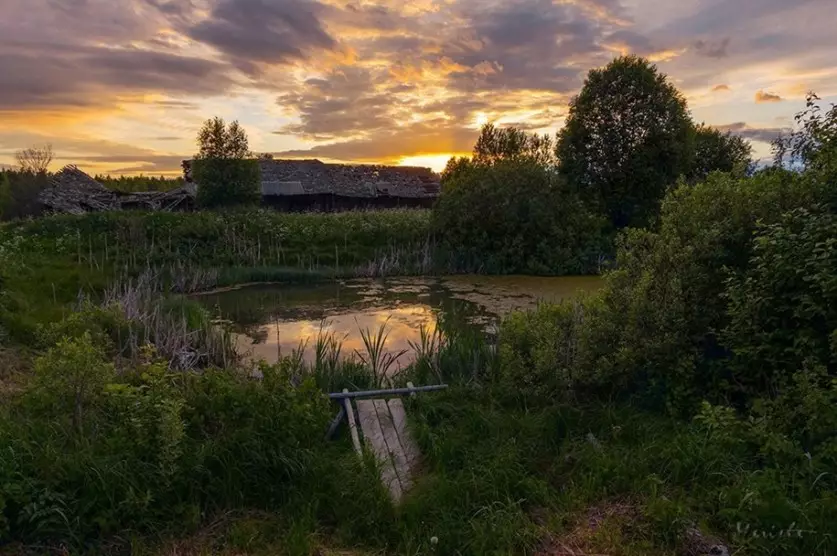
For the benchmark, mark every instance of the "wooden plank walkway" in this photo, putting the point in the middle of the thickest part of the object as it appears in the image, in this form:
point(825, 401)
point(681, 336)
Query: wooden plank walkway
point(384, 427)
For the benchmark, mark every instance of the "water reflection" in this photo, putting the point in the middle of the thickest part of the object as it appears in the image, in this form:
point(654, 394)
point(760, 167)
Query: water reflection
point(273, 320)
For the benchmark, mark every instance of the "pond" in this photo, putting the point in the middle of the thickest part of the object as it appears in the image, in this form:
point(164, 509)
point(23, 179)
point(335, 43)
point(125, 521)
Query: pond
point(272, 320)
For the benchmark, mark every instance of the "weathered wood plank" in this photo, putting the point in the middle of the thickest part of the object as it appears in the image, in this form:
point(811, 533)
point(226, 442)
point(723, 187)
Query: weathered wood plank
point(350, 417)
point(399, 459)
point(374, 436)
point(408, 444)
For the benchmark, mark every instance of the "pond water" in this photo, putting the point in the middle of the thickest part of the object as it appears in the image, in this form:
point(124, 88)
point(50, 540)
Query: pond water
point(272, 320)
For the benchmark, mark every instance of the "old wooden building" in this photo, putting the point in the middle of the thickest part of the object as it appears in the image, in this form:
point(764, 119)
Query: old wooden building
point(305, 185)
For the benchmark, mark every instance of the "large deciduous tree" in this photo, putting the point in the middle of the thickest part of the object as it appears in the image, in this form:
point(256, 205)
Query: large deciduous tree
point(628, 136)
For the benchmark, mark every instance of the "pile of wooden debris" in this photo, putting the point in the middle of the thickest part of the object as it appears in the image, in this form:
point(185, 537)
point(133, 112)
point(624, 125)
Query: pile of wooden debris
point(74, 192)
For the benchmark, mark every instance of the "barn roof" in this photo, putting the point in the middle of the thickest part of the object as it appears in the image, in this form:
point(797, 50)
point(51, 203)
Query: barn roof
point(313, 177)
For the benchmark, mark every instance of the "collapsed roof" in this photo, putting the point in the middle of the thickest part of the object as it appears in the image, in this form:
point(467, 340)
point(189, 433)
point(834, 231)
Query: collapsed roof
point(313, 177)
point(74, 192)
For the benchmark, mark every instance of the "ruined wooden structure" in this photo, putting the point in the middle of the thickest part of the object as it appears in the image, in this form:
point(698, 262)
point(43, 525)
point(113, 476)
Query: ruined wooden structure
point(74, 192)
point(304, 185)
point(383, 423)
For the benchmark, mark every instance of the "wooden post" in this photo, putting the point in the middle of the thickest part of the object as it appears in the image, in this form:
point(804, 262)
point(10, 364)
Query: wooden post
point(350, 416)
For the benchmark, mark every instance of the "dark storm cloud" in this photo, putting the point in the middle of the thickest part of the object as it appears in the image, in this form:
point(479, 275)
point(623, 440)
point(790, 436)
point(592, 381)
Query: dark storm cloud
point(250, 32)
point(763, 134)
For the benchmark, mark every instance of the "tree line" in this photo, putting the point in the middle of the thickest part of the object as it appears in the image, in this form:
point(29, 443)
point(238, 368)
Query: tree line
point(526, 202)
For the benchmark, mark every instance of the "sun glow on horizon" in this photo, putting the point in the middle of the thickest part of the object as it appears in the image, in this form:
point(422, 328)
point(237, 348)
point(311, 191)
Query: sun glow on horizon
point(435, 162)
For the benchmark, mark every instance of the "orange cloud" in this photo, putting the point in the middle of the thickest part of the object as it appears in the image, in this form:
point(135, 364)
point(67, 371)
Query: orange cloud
point(721, 88)
point(762, 97)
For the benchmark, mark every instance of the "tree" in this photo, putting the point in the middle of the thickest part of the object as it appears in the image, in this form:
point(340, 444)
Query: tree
point(220, 169)
point(35, 159)
point(510, 143)
point(496, 145)
point(628, 136)
point(515, 216)
point(5, 195)
point(813, 144)
point(718, 151)
point(218, 140)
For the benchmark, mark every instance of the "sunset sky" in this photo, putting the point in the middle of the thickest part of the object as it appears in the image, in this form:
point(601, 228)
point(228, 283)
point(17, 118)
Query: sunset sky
point(122, 86)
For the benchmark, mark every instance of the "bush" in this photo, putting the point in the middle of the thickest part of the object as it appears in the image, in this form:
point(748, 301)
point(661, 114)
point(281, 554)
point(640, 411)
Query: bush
point(515, 216)
point(665, 303)
point(89, 452)
point(224, 182)
point(783, 307)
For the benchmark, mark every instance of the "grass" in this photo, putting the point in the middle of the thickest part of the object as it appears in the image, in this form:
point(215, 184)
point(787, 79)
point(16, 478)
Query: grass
point(498, 477)
point(213, 462)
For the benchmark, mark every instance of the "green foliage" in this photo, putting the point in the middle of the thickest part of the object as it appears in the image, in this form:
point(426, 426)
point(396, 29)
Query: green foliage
point(541, 352)
point(716, 151)
point(218, 140)
point(69, 379)
point(89, 453)
point(783, 307)
point(21, 197)
point(224, 182)
point(813, 144)
point(516, 216)
point(665, 303)
point(132, 184)
point(505, 144)
point(6, 198)
point(628, 137)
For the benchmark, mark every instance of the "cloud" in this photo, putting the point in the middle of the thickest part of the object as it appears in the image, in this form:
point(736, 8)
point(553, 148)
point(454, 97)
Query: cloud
point(763, 134)
point(721, 88)
point(763, 96)
point(424, 138)
point(255, 32)
point(712, 49)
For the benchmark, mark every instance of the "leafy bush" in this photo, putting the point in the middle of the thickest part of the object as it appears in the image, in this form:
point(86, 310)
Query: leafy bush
point(89, 452)
point(541, 352)
point(224, 182)
point(783, 307)
point(516, 216)
point(665, 303)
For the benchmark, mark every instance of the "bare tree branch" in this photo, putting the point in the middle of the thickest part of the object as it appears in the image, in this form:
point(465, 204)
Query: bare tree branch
point(35, 159)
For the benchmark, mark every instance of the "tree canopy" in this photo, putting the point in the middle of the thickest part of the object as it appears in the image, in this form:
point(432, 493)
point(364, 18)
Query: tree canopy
point(628, 136)
point(216, 139)
point(719, 151)
point(224, 175)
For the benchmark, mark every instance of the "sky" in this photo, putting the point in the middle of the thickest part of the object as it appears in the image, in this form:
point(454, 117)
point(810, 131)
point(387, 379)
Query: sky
point(122, 86)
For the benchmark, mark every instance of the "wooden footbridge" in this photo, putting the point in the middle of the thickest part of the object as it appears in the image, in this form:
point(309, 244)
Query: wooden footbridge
point(383, 423)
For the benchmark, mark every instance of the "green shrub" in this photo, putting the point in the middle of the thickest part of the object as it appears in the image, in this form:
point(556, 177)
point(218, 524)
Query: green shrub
point(89, 452)
point(783, 307)
point(542, 352)
point(665, 306)
point(224, 182)
point(516, 216)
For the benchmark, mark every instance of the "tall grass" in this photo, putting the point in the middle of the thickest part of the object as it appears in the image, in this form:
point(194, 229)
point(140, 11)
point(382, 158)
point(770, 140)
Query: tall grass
point(180, 330)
